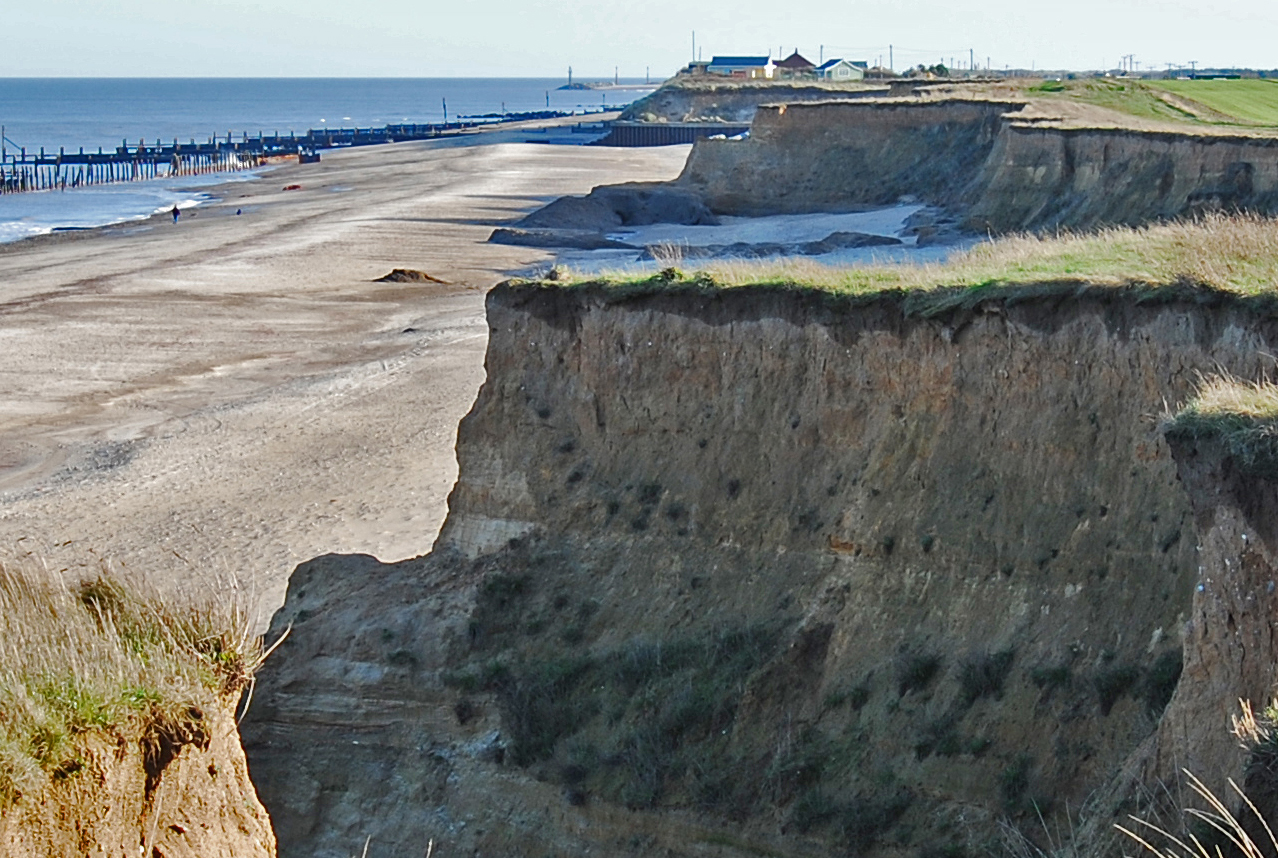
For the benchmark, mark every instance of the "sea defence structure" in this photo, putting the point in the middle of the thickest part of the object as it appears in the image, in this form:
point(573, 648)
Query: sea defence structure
point(1002, 168)
point(771, 571)
point(22, 171)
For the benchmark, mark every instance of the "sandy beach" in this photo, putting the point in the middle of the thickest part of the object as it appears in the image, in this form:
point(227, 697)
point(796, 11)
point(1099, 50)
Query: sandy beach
point(226, 397)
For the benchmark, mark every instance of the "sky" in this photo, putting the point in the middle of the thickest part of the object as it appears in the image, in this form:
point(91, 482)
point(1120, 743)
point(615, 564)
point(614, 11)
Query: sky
point(542, 38)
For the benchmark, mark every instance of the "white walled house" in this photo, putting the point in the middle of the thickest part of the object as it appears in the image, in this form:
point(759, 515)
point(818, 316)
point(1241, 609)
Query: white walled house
point(841, 70)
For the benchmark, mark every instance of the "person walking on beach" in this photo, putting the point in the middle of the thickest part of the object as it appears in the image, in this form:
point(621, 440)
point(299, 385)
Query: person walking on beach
point(176, 214)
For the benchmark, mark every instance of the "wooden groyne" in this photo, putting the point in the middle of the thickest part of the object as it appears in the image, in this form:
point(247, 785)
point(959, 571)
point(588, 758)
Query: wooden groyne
point(22, 170)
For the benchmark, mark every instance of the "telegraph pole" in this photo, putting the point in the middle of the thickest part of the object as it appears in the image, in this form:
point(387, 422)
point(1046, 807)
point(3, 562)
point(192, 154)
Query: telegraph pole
point(694, 46)
point(971, 60)
point(891, 65)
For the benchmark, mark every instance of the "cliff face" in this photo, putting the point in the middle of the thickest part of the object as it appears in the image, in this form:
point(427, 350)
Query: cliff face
point(1047, 177)
point(1005, 172)
point(766, 571)
point(802, 158)
point(1230, 648)
point(181, 792)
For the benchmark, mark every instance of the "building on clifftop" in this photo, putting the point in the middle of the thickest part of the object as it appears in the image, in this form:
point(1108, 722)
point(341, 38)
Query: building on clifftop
point(841, 70)
point(795, 65)
point(752, 68)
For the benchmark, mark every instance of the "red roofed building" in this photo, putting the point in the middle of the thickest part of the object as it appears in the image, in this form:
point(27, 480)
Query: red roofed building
point(795, 65)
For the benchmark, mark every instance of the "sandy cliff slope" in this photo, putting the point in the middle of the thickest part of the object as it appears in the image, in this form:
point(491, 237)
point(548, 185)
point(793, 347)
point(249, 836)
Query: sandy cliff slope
point(758, 570)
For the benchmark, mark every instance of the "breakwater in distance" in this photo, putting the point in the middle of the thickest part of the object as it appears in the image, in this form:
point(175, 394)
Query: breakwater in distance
point(22, 171)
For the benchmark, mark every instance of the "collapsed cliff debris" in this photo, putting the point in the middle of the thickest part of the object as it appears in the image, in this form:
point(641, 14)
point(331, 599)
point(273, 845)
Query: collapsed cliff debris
point(760, 250)
point(410, 275)
point(612, 206)
point(783, 571)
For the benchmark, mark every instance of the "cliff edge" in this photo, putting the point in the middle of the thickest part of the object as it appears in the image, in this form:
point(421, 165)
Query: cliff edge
point(1003, 166)
point(769, 570)
point(180, 791)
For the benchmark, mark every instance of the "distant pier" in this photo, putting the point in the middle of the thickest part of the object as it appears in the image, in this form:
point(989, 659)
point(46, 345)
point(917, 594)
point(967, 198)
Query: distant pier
point(22, 170)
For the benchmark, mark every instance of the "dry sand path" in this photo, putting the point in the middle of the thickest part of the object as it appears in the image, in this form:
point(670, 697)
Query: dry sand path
point(230, 396)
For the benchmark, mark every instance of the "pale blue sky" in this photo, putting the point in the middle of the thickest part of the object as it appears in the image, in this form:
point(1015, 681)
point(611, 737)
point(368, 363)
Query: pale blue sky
point(541, 38)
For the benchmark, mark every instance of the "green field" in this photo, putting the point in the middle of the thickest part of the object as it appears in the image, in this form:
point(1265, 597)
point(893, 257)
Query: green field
point(1252, 101)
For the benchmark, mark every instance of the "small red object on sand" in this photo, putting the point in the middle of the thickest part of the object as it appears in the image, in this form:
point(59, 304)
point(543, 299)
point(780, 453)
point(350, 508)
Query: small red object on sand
point(292, 187)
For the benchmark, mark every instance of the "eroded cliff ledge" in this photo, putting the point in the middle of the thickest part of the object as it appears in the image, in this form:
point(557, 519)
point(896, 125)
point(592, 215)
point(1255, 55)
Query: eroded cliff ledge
point(180, 790)
point(759, 570)
point(1003, 168)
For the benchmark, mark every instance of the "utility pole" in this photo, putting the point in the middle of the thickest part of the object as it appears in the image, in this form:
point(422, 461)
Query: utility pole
point(1193, 68)
point(891, 65)
point(694, 46)
point(822, 60)
point(570, 75)
point(971, 59)
point(616, 75)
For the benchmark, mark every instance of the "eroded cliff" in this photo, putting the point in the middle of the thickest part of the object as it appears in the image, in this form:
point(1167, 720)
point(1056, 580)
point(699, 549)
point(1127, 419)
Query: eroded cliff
point(180, 790)
point(1003, 168)
point(768, 570)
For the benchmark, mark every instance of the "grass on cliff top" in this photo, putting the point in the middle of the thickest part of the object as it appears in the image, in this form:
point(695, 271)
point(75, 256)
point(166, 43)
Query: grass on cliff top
point(106, 659)
point(1252, 101)
point(1132, 97)
point(1242, 415)
point(1232, 253)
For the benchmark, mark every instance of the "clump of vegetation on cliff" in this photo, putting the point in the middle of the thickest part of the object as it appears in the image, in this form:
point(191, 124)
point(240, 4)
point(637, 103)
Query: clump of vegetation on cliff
point(1234, 253)
point(104, 659)
point(1242, 415)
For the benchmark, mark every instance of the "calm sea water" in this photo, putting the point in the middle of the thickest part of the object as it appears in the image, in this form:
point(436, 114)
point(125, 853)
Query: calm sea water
point(102, 112)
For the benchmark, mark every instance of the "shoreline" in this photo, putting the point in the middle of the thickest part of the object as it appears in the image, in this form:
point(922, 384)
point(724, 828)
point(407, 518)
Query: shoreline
point(234, 395)
point(177, 185)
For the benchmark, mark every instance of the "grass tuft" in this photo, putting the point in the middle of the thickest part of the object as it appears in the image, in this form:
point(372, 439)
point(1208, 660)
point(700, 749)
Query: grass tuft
point(1219, 825)
point(105, 658)
point(1242, 415)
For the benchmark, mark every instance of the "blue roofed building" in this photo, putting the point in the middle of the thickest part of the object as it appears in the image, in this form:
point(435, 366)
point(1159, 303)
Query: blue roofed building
point(752, 68)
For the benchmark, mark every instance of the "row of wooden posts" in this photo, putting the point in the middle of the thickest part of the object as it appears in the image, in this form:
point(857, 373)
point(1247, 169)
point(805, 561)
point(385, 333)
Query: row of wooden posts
point(20, 175)
point(22, 171)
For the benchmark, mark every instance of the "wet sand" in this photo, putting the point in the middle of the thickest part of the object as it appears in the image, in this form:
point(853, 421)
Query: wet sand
point(226, 397)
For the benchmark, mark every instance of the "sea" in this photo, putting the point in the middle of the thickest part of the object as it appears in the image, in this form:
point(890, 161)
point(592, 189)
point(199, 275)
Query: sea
point(89, 113)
